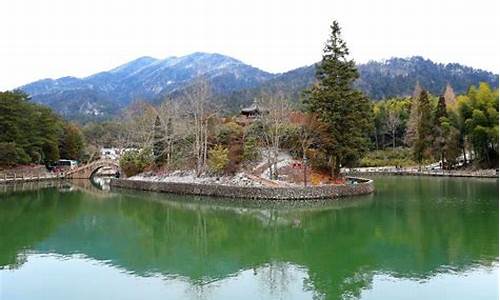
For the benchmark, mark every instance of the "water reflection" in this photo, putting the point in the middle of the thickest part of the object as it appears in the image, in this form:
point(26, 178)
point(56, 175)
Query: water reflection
point(411, 230)
point(101, 182)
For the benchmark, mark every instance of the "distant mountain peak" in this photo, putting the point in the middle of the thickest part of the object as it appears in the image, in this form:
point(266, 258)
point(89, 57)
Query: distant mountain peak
point(234, 82)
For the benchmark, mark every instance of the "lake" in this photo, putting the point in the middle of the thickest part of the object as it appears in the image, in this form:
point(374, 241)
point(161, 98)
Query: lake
point(415, 238)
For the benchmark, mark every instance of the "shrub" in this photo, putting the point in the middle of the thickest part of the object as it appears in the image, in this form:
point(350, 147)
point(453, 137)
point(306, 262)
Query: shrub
point(255, 129)
point(135, 161)
point(11, 155)
point(22, 157)
point(228, 132)
point(318, 159)
point(218, 159)
point(250, 149)
point(8, 154)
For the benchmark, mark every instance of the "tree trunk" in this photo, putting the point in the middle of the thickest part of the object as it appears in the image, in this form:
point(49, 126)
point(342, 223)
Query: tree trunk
point(205, 145)
point(393, 139)
point(270, 162)
point(304, 160)
point(465, 156)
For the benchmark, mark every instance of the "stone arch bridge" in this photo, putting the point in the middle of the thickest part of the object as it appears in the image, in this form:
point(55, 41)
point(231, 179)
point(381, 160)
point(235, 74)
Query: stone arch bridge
point(86, 171)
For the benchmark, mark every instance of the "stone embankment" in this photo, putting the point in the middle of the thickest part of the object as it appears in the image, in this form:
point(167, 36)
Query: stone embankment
point(488, 173)
point(358, 186)
point(16, 178)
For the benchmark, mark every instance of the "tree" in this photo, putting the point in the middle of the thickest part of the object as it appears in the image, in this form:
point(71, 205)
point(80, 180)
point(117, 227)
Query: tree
point(34, 129)
point(178, 129)
point(449, 96)
point(380, 124)
point(417, 90)
point(250, 149)
point(478, 116)
point(421, 125)
point(137, 125)
point(394, 119)
point(159, 141)
point(439, 137)
point(218, 159)
point(274, 118)
point(451, 145)
point(345, 110)
point(411, 126)
point(133, 162)
point(390, 117)
point(199, 110)
point(9, 154)
point(310, 131)
point(72, 142)
point(170, 138)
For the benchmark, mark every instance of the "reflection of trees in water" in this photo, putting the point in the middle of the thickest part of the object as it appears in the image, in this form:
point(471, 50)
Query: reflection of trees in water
point(200, 291)
point(29, 217)
point(276, 277)
point(418, 227)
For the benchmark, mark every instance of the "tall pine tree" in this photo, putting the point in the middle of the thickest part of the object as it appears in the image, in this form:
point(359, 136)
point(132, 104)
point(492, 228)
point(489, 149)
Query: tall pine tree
point(345, 110)
point(423, 127)
point(439, 137)
point(159, 141)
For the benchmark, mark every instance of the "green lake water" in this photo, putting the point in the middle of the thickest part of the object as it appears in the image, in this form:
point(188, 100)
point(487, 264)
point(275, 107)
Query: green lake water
point(415, 238)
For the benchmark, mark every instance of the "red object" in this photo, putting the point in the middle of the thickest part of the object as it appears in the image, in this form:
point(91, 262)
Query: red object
point(338, 181)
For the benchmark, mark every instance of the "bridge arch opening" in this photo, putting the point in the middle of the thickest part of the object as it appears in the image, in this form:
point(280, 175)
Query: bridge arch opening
point(115, 171)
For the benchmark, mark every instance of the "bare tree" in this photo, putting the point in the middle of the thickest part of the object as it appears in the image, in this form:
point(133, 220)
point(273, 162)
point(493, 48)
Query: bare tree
point(138, 124)
point(175, 126)
point(310, 130)
point(275, 114)
point(199, 110)
point(393, 122)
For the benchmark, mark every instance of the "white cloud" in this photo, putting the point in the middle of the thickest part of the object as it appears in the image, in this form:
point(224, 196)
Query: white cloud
point(54, 38)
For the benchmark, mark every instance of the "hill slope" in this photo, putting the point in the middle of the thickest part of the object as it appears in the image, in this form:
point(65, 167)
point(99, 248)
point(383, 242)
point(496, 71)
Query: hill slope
point(104, 94)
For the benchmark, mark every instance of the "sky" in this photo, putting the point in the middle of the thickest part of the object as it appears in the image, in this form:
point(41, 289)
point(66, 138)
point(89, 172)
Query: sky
point(54, 38)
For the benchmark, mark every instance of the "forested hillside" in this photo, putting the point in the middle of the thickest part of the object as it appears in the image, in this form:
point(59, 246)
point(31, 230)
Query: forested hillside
point(33, 133)
point(233, 83)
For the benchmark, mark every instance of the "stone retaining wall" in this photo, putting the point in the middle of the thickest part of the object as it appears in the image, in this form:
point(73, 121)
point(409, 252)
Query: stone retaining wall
point(476, 174)
point(362, 186)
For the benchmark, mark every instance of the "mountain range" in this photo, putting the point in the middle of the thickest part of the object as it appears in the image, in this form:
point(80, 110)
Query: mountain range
point(234, 83)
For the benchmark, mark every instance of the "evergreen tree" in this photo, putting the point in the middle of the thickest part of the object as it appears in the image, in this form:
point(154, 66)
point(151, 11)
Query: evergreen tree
point(170, 139)
point(423, 129)
point(33, 129)
point(439, 138)
point(345, 110)
point(71, 144)
point(158, 141)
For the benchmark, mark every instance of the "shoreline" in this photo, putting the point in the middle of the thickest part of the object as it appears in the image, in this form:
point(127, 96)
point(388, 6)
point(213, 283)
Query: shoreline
point(23, 179)
point(392, 172)
point(362, 187)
